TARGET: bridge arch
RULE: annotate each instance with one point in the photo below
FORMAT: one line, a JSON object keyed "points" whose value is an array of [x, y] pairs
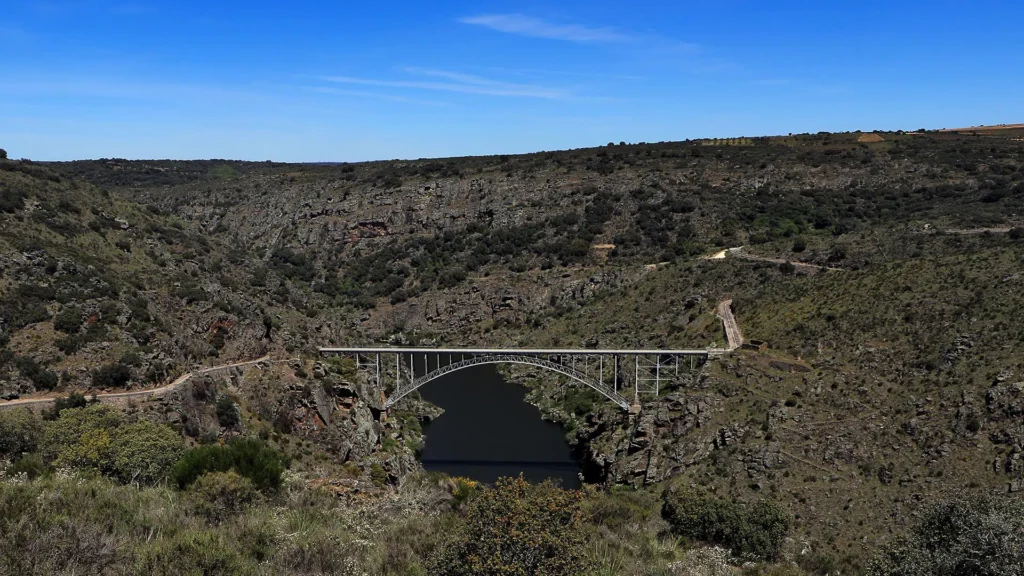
{"points": [[608, 392]]}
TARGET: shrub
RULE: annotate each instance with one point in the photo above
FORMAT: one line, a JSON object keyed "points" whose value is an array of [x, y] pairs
{"points": [[227, 412], [69, 320], [973, 424], [964, 537], [516, 528], [756, 532], [1016, 233], [249, 457], [218, 495], [19, 432], [80, 437], [379, 475], [191, 552], [621, 508], [31, 465], [144, 452], [40, 377], [74, 400], [115, 375]]}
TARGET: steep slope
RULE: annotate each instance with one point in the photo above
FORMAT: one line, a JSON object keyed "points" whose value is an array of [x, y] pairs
{"points": [[883, 389], [400, 239], [91, 281]]}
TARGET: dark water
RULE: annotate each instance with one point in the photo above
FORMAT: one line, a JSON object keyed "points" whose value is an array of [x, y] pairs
{"points": [[488, 431]]}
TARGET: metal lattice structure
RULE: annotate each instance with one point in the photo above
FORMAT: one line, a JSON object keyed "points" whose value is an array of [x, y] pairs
{"points": [[642, 370]]}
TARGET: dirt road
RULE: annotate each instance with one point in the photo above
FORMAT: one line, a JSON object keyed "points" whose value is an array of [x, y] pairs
{"points": [[739, 253], [732, 329], [135, 393]]}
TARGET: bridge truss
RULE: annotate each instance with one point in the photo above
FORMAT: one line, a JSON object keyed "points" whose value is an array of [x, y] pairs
{"points": [[615, 374]]}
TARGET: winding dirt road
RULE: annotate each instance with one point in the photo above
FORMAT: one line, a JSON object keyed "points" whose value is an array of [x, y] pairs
{"points": [[135, 393]]}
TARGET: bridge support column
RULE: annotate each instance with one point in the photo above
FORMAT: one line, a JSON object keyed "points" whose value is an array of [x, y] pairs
{"points": [[636, 378]]}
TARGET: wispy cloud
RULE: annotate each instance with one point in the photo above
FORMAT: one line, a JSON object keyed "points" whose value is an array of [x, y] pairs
{"points": [[539, 73], [373, 95], [457, 82], [537, 28]]}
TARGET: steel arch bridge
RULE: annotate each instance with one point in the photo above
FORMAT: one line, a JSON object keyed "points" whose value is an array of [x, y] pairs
{"points": [[412, 368]]}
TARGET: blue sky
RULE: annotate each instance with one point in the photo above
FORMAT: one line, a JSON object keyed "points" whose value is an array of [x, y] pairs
{"points": [[347, 81]]}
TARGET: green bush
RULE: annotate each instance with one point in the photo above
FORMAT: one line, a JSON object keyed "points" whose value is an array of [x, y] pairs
{"points": [[144, 452], [80, 437], [964, 537], [515, 528], [378, 475], [73, 400], [31, 465], [40, 377], [227, 412], [97, 438], [249, 457], [192, 552], [115, 375], [19, 432], [69, 320], [219, 495], [756, 532]]}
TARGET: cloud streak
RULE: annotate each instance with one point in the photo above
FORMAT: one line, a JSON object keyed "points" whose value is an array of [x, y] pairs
{"points": [[373, 95], [537, 28], [457, 82]]}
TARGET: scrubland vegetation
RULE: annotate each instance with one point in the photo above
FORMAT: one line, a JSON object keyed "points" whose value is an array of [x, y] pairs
{"points": [[879, 433]]}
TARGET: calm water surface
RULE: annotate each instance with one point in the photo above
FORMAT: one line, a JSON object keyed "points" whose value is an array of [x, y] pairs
{"points": [[488, 431]]}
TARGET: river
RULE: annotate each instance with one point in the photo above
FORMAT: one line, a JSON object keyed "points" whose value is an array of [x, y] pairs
{"points": [[488, 430]]}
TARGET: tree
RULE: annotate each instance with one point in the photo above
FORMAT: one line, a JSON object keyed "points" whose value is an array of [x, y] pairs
{"points": [[144, 452], [517, 529], [962, 537], [19, 432], [111, 376], [80, 437], [3, 154], [227, 413], [69, 320]]}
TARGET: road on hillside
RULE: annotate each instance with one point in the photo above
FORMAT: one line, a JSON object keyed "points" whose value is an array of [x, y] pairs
{"points": [[135, 393], [739, 253], [732, 329]]}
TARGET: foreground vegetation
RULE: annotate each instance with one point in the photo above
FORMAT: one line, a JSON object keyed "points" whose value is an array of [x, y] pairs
{"points": [[73, 522]]}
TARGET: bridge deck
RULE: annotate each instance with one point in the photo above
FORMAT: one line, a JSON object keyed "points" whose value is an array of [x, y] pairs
{"points": [[516, 351]]}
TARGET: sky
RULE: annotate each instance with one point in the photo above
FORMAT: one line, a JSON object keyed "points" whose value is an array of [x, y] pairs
{"points": [[352, 81]]}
